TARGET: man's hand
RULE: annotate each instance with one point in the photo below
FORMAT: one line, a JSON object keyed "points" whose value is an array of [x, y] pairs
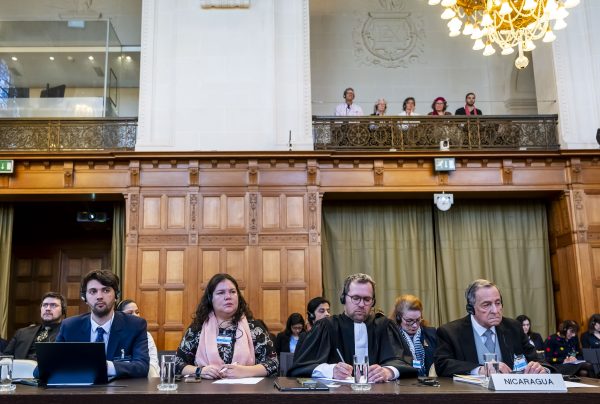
{"points": [[342, 371], [535, 368], [378, 374], [504, 368], [570, 359]]}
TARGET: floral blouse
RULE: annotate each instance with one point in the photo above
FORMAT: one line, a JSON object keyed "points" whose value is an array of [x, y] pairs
{"points": [[263, 348]]}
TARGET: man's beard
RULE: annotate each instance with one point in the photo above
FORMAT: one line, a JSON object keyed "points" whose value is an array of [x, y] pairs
{"points": [[52, 321], [102, 312]]}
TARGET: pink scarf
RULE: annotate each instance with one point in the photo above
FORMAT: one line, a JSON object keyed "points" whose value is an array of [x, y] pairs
{"points": [[474, 112], [208, 354]]}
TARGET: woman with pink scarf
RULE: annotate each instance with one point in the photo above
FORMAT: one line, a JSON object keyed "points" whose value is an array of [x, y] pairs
{"points": [[223, 341]]}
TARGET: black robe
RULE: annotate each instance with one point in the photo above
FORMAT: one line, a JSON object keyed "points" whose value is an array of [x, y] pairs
{"points": [[386, 347]]}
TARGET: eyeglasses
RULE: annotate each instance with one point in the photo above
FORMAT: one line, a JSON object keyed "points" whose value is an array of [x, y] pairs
{"points": [[50, 305], [410, 322], [357, 299]]}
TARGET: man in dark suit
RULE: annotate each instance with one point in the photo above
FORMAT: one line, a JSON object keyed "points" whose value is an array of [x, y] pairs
{"points": [[462, 343], [355, 332], [52, 310], [469, 108], [124, 335]]}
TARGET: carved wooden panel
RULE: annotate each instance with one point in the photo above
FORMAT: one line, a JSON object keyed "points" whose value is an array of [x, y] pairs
{"points": [[211, 217], [211, 263], [175, 266], [236, 218]]}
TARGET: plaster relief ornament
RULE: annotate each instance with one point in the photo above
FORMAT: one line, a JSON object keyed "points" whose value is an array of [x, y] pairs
{"points": [[389, 38]]}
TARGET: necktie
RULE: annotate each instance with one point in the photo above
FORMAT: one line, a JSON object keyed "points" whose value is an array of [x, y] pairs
{"points": [[100, 334], [489, 341], [43, 336]]}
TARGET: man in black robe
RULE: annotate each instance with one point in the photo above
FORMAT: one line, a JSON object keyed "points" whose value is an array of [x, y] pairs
{"points": [[356, 331]]}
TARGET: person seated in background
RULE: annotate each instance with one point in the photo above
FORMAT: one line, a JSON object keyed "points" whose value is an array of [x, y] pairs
{"points": [[408, 315], [287, 340], [469, 108], [439, 106], [3, 344], [124, 336], [53, 308], [562, 350], [591, 338], [348, 108], [535, 339], [380, 107], [223, 341], [128, 306], [316, 309], [329, 347], [462, 342], [408, 107]]}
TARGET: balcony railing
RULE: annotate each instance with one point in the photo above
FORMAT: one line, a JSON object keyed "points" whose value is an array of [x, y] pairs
{"points": [[68, 134], [537, 132]]}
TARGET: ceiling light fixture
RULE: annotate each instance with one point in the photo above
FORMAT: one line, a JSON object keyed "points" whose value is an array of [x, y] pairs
{"points": [[508, 24]]}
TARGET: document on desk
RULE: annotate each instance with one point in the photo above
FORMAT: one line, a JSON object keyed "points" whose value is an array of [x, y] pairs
{"points": [[471, 379], [575, 384], [243, 380]]}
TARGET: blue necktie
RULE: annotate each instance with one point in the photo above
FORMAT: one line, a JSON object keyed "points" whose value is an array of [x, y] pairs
{"points": [[489, 341], [100, 334]]}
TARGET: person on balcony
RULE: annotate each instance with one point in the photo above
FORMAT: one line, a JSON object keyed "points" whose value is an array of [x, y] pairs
{"points": [[469, 108], [348, 108], [408, 107], [380, 107], [439, 106]]}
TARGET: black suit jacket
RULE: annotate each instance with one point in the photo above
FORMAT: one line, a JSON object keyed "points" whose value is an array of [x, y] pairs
{"points": [[3, 344], [461, 111], [127, 333], [429, 342], [21, 342], [282, 343], [456, 352]]}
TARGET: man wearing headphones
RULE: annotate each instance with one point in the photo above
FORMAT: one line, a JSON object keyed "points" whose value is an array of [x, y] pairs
{"points": [[355, 332], [462, 343], [347, 108], [52, 310], [124, 336]]}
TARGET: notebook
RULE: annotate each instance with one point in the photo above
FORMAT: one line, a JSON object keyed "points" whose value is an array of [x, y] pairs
{"points": [[301, 384], [67, 364]]}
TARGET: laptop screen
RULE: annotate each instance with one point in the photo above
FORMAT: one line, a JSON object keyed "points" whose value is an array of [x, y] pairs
{"points": [[71, 363]]}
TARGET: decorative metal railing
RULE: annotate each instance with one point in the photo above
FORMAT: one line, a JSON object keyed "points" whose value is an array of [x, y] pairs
{"points": [[537, 132], [68, 134]]}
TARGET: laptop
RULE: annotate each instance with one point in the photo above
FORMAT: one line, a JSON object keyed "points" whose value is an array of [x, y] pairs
{"points": [[71, 364]]}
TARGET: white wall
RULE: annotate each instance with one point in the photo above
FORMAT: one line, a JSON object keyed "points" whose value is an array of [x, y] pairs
{"points": [[224, 79], [437, 65]]}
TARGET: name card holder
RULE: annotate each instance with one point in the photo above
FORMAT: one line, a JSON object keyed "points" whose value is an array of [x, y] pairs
{"points": [[527, 382]]}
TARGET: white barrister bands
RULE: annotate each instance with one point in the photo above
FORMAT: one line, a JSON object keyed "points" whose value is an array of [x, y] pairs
{"points": [[523, 382]]}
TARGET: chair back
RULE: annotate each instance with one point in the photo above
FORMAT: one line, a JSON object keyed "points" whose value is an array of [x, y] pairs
{"points": [[23, 368], [592, 356], [286, 359]]}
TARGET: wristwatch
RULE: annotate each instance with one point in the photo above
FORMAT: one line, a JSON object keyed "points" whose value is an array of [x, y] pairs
{"points": [[198, 372]]}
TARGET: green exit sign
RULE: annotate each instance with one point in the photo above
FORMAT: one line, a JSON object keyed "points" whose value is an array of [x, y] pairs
{"points": [[445, 164], [6, 166]]}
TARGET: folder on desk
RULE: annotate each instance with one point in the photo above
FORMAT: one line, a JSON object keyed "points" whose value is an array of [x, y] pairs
{"points": [[291, 384]]}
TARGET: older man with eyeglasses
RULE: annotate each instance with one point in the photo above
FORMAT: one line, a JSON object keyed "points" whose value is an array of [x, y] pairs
{"points": [[329, 348]]}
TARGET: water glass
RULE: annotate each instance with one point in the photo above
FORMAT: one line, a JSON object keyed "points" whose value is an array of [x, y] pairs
{"points": [[490, 364], [361, 373], [6, 370], [167, 373]]}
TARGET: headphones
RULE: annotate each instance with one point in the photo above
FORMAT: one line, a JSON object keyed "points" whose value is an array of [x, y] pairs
{"points": [[470, 308], [406, 102], [311, 317], [344, 294], [346, 91]]}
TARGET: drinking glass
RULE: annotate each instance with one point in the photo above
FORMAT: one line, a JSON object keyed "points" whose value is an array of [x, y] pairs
{"points": [[361, 373], [6, 369], [167, 373], [491, 364]]}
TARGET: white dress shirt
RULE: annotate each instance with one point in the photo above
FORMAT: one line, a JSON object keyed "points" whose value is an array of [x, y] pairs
{"points": [[348, 110], [110, 366]]}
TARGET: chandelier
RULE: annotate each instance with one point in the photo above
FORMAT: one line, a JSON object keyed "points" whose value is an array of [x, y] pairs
{"points": [[508, 24]]}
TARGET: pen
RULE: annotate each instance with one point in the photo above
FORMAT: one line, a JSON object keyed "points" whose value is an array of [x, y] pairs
{"points": [[340, 355], [224, 368]]}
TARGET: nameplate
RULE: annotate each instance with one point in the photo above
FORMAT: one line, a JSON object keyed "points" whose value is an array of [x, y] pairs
{"points": [[527, 382]]}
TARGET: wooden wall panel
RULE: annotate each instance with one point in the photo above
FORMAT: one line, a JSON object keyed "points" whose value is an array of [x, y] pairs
{"points": [[211, 218], [176, 212], [271, 266], [296, 266], [295, 301], [295, 212], [236, 218], [172, 339], [270, 212], [173, 307], [175, 266], [152, 212], [149, 268], [237, 264], [148, 302], [210, 264], [271, 306]]}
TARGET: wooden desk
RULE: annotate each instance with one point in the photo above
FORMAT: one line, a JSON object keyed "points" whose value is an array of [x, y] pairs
{"points": [[142, 391]]}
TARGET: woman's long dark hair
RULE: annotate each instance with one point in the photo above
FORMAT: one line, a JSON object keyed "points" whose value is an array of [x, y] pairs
{"points": [[521, 319], [293, 319], [205, 306]]}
